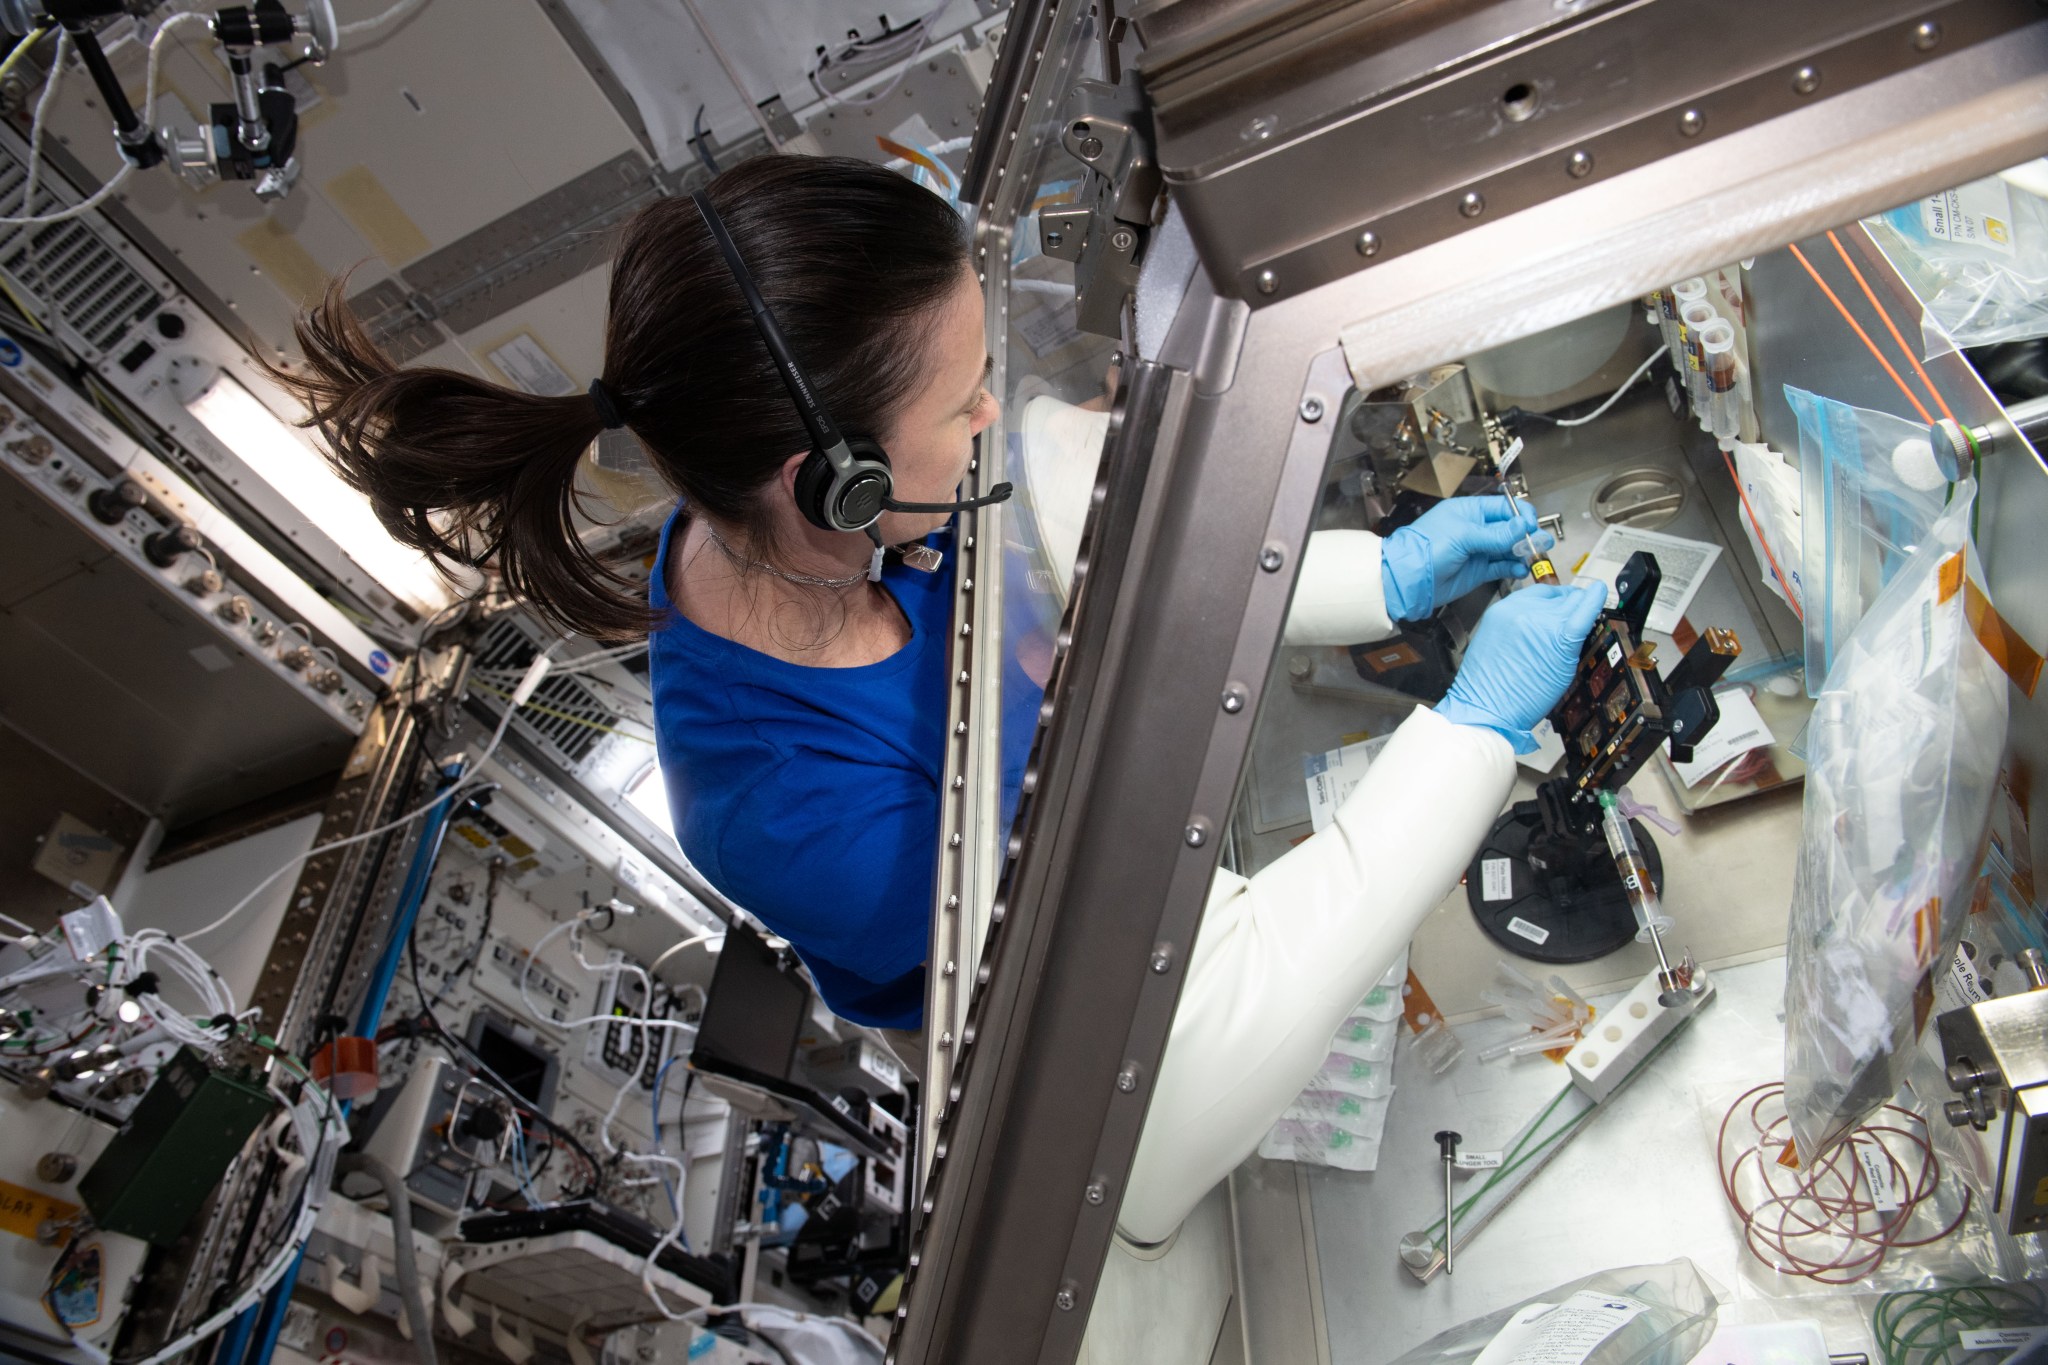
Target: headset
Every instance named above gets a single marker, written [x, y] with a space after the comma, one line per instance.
[844, 484]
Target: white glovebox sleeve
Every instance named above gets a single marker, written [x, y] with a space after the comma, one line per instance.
[1283, 957]
[1339, 598]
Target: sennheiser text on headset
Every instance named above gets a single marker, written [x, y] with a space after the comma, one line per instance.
[844, 484]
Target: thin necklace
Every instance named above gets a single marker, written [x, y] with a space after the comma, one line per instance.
[740, 561]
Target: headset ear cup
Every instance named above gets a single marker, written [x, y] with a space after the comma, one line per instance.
[857, 498]
[868, 448]
[814, 490]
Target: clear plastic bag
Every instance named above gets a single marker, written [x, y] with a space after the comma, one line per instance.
[1977, 256]
[1339, 1115]
[1903, 752]
[1637, 1315]
[1871, 487]
[1893, 1207]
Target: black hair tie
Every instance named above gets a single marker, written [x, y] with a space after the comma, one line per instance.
[607, 410]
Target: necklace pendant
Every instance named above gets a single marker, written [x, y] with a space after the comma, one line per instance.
[922, 558]
[875, 566]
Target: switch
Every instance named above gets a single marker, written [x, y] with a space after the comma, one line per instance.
[163, 548]
[234, 611]
[112, 505]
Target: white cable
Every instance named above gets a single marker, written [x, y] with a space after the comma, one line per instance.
[600, 969]
[36, 123]
[647, 1028]
[397, 11]
[474, 769]
[11, 920]
[114, 182]
[921, 27]
[675, 948]
[322, 1146]
[1626, 385]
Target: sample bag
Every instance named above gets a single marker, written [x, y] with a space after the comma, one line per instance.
[1637, 1315]
[1903, 753]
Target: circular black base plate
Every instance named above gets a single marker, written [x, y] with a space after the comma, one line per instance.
[1535, 920]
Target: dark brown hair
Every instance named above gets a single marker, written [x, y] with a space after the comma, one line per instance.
[853, 260]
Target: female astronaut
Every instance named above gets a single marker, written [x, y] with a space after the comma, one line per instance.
[800, 678]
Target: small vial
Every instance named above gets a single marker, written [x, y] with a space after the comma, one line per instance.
[1724, 404]
[1693, 318]
[1541, 570]
[1673, 304]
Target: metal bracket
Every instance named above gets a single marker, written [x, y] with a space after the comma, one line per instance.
[1108, 130]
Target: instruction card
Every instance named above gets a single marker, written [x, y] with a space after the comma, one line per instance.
[1332, 775]
[1684, 564]
[1740, 729]
[1561, 1334]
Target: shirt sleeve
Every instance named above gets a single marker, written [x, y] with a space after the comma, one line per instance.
[838, 857]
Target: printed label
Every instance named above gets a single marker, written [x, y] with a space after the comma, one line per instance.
[1976, 214]
[1496, 879]
[23, 1211]
[527, 366]
[1614, 655]
[1535, 933]
[1478, 1161]
[1560, 1334]
[1880, 1174]
[1509, 456]
[2003, 1338]
[90, 929]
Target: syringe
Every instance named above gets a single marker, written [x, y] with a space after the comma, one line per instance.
[1651, 921]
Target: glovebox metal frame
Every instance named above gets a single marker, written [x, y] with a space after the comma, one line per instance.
[1205, 501]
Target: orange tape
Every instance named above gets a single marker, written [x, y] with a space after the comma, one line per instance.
[2006, 646]
[915, 157]
[1951, 576]
[2020, 660]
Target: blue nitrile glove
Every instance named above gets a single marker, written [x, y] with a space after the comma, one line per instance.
[1451, 549]
[1521, 659]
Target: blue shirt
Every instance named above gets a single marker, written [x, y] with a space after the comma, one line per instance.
[810, 796]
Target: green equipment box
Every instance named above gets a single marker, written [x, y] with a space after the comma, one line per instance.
[158, 1170]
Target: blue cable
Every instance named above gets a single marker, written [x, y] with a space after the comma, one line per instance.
[654, 1105]
[268, 1320]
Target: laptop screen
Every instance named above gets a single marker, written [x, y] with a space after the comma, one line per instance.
[755, 1010]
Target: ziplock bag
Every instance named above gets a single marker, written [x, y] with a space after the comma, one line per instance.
[1870, 489]
[1903, 752]
[1977, 255]
[1637, 1315]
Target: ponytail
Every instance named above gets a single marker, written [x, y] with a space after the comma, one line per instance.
[855, 260]
[462, 470]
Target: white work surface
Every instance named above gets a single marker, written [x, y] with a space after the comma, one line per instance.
[1727, 884]
[1636, 1185]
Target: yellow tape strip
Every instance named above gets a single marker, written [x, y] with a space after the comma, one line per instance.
[23, 1211]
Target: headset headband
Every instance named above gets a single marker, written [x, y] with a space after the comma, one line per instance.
[824, 431]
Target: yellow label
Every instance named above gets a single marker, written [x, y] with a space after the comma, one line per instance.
[2041, 1193]
[23, 1211]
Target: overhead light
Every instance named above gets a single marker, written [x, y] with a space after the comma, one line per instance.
[274, 452]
